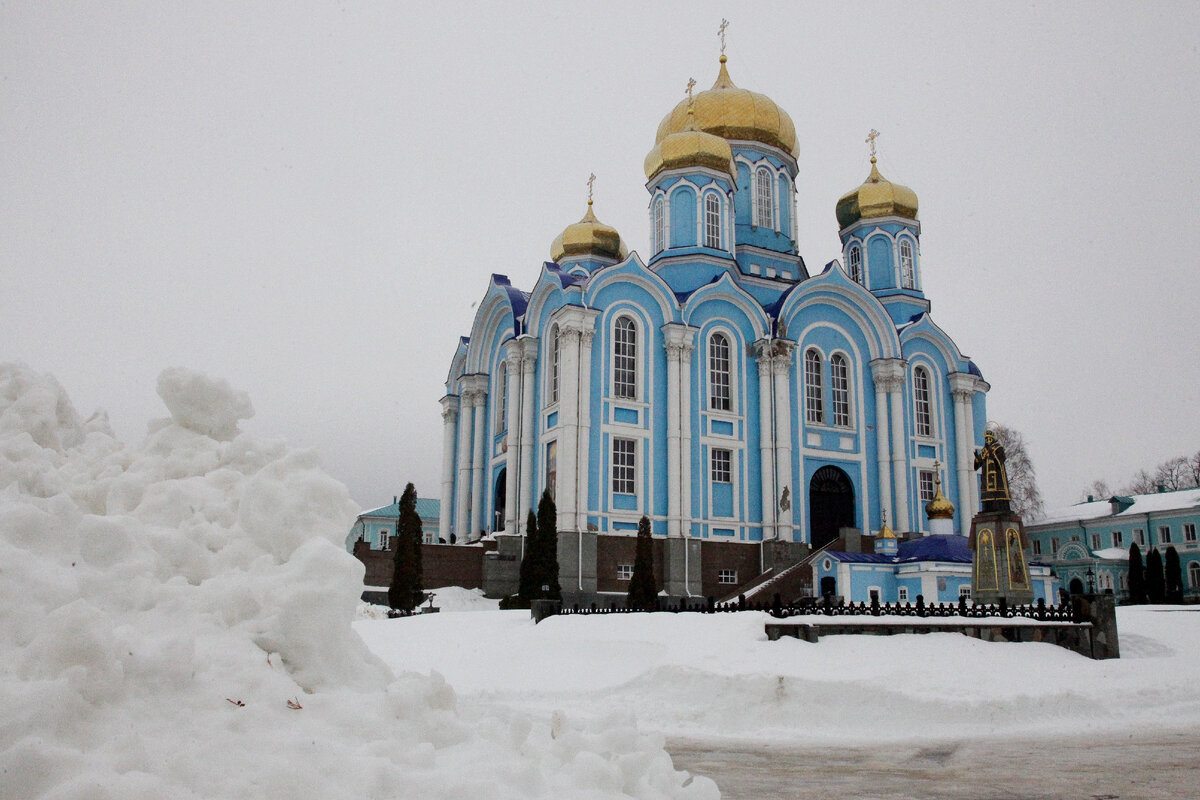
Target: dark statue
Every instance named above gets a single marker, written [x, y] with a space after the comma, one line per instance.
[994, 496]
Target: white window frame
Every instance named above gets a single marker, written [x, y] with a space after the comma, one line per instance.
[625, 357]
[908, 272]
[624, 465]
[553, 354]
[1193, 571]
[926, 485]
[814, 394]
[710, 208]
[624, 572]
[502, 398]
[902, 594]
[1053, 545]
[720, 373]
[727, 576]
[854, 263]
[1189, 532]
[1037, 547]
[721, 465]
[1117, 538]
[1164, 534]
[922, 403]
[1139, 536]
[839, 388]
[964, 591]
[764, 198]
[385, 540]
[1095, 542]
[659, 223]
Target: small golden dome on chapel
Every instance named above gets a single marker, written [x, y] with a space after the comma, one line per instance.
[588, 237]
[877, 197]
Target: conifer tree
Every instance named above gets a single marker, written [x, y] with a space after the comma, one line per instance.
[1137, 576]
[1174, 577]
[547, 528]
[530, 585]
[405, 592]
[643, 594]
[1155, 584]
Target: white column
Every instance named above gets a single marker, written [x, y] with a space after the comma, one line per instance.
[568, 421]
[962, 390]
[686, 455]
[766, 438]
[512, 436]
[449, 432]
[882, 375]
[529, 354]
[479, 404]
[583, 468]
[899, 457]
[781, 363]
[462, 508]
[674, 452]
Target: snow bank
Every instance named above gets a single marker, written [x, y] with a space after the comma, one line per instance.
[177, 624]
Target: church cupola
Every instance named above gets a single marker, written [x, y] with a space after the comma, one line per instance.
[880, 235]
[588, 243]
[939, 510]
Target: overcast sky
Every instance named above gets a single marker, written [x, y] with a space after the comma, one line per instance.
[308, 200]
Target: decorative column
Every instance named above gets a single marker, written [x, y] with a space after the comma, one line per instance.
[766, 438]
[462, 505]
[512, 435]
[529, 354]
[884, 374]
[449, 432]
[686, 455]
[479, 406]
[673, 344]
[900, 451]
[568, 425]
[962, 389]
[781, 365]
[583, 462]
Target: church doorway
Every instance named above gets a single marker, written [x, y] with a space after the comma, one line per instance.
[828, 586]
[830, 505]
[1076, 586]
[498, 501]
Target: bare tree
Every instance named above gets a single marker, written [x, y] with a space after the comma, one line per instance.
[1022, 477]
[1173, 474]
[1096, 490]
[1141, 483]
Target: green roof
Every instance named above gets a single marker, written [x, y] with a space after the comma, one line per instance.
[427, 508]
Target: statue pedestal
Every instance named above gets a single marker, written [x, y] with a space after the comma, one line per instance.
[998, 565]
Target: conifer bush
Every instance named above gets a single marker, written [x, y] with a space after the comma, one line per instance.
[1174, 577]
[1137, 576]
[643, 592]
[405, 592]
[539, 566]
[1155, 581]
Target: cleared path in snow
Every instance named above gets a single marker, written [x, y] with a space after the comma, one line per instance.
[1145, 766]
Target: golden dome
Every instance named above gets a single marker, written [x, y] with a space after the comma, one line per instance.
[939, 507]
[877, 197]
[588, 237]
[690, 148]
[733, 113]
[885, 532]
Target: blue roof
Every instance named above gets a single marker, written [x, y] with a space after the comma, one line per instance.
[973, 369]
[861, 558]
[427, 508]
[942, 547]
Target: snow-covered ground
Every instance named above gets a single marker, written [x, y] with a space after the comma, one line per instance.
[717, 678]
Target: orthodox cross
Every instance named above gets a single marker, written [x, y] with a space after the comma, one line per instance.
[871, 137]
[691, 85]
[591, 182]
[721, 33]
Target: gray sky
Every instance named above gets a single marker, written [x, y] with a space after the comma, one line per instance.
[308, 200]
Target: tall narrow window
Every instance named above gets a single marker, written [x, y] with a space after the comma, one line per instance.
[718, 373]
[625, 359]
[624, 455]
[385, 541]
[764, 210]
[922, 403]
[926, 485]
[552, 468]
[814, 404]
[502, 394]
[712, 221]
[554, 364]
[907, 274]
[1194, 574]
[721, 466]
[660, 225]
[839, 379]
[854, 259]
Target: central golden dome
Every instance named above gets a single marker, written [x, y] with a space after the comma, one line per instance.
[733, 113]
[588, 237]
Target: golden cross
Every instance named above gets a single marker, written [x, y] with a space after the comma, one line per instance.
[721, 33]
[871, 137]
[937, 472]
[691, 85]
[591, 181]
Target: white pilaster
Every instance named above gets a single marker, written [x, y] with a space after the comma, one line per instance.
[781, 366]
[568, 424]
[512, 436]
[766, 438]
[479, 407]
[885, 374]
[900, 456]
[462, 507]
[674, 453]
[583, 455]
[686, 455]
[449, 432]
[529, 354]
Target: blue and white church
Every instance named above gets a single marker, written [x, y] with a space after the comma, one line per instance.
[716, 386]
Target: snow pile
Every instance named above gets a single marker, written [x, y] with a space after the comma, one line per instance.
[176, 623]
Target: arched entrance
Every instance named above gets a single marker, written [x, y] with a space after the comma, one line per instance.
[1076, 586]
[498, 501]
[830, 505]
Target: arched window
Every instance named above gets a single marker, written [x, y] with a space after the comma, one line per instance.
[839, 383]
[660, 225]
[814, 403]
[502, 395]
[718, 373]
[785, 208]
[625, 359]
[554, 365]
[854, 260]
[712, 220]
[764, 210]
[907, 273]
[1194, 574]
[922, 403]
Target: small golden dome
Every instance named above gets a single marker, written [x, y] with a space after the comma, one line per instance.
[691, 148]
[733, 113]
[588, 237]
[877, 197]
[939, 507]
[885, 532]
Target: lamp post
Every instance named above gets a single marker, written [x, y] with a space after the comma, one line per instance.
[1091, 576]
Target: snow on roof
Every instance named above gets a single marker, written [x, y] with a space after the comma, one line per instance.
[427, 508]
[935, 547]
[1142, 504]
[1112, 553]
